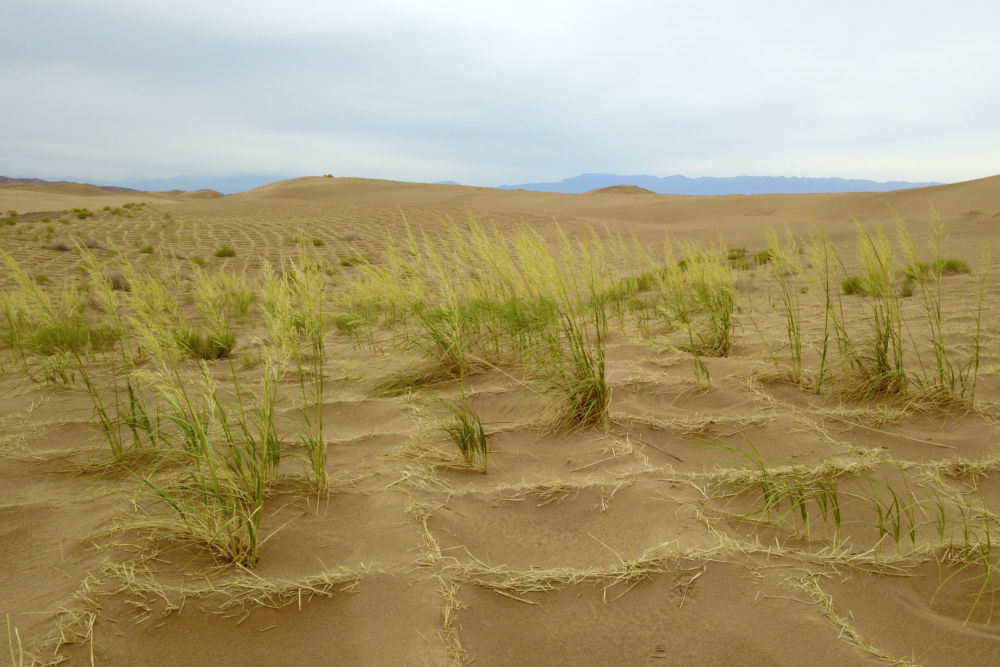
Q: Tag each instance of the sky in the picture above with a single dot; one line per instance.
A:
(499, 92)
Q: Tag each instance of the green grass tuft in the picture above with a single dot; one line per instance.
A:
(465, 429)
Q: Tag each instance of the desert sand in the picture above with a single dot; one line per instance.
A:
(644, 537)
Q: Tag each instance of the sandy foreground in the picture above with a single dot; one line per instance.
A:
(643, 540)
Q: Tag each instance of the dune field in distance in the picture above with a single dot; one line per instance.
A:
(361, 422)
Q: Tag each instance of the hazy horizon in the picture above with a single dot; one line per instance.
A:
(488, 95)
(672, 184)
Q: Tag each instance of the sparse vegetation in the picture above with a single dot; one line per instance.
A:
(225, 250)
(292, 403)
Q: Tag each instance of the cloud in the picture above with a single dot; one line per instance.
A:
(508, 92)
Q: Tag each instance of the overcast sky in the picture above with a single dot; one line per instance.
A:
(499, 92)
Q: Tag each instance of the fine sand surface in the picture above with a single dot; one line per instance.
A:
(639, 541)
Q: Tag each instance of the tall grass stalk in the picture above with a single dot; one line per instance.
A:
(882, 368)
(17, 655)
(137, 415)
(784, 268)
(712, 284)
(825, 260)
(295, 315)
(675, 305)
(577, 344)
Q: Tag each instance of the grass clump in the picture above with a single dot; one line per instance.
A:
(465, 429)
(225, 439)
(882, 353)
(791, 496)
(354, 260)
(221, 299)
(737, 259)
(878, 362)
(855, 285)
(146, 250)
(225, 250)
(208, 345)
(950, 267)
(951, 378)
(228, 461)
(580, 375)
(480, 300)
(41, 323)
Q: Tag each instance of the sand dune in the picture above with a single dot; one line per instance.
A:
(694, 525)
(622, 190)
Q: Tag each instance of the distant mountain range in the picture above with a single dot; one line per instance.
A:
(223, 184)
(732, 185)
(677, 185)
(4, 180)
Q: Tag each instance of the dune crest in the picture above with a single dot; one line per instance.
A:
(621, 190)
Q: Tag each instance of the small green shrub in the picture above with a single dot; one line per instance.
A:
(146, 250)
(855, 285)
(198, 260)
(70, 335)
(947, 267)
(764, 256)
(226, 251)
(207, 345)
